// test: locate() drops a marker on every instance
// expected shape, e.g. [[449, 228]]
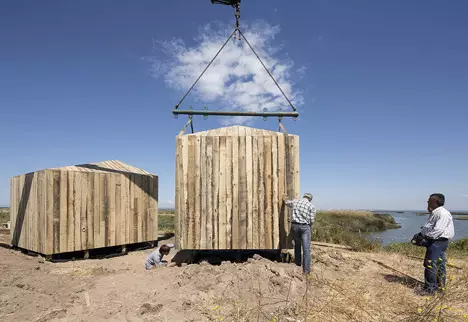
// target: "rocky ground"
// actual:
[[344, 286]]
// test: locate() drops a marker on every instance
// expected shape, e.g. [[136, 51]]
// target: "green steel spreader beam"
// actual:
[[234, 113]]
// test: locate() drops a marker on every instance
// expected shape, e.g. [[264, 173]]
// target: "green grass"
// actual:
[[457, 248], [166, 223]]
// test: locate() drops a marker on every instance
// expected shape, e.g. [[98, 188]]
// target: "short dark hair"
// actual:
[[164, 249], [439, 199]]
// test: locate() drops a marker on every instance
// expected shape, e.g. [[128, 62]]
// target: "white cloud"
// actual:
[[465, 195], [236, 80]]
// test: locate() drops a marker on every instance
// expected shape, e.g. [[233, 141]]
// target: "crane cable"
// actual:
[[240, 33]]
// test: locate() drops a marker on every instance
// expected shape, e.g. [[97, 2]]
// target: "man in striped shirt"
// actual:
[[303, 216], [438, 231]]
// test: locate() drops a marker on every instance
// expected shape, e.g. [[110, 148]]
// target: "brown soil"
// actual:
[[344, 286]]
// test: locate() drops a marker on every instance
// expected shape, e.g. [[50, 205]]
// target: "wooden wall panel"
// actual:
[[59, 211], [229, 188]]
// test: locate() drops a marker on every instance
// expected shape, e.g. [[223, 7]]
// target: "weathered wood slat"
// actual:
[[254, 201], [197, 192], [242, 197], [249, 174], [268, 194], [215, 178], [209, 193], [191, 192], [275, 188], [63, 208], [228, 190], [222, 194], [235, 192], [203, 188], [261, 193]]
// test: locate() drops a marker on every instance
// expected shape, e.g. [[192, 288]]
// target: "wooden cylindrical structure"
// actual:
[[83, 207], [229, 188]]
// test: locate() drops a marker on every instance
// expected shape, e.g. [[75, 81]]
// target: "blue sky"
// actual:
[[382, 88]]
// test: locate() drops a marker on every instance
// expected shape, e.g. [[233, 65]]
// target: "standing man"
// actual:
[[303, 216], [437, 231]]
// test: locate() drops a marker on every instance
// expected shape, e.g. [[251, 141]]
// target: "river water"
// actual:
[[411, 224]]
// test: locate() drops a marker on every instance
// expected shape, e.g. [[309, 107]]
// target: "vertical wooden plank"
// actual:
[[13, 208], [133, 215], [209, 192], [125, 189], [40, 211], [254, 165], [49, 247], [249, 174], [70, 211], [268, 194], [90, 210], [222, 194], [215, 178], [29, 214], [283, 219], [261, 193], [297, 179], [84, 210], [33, 202], [22, 228], [185, 174], [143, 207], [275, 197], [119, 240], [191, 192], [77, 208], [177, 193], [235, 191], [242, 194], [203, 187], [56, 210], [197, 192], [104, 207], [63, 192], [96, 202], [138, 183], [228, 185], [155, 207]]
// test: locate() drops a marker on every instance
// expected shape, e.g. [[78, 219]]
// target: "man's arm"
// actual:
[[288, 203], [312, 213]]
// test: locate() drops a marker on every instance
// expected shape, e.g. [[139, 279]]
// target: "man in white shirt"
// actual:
[[438, 231]]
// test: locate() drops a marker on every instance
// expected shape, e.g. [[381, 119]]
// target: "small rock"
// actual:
[[183, 264], [37, 268], [257, 257], [204, 263], [41, 260], [251, 260], [225, 263], [150, 308]]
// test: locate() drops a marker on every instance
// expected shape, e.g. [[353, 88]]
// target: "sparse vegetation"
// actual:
[[458, 248], [351, 228], [4, 215], [166, 223]]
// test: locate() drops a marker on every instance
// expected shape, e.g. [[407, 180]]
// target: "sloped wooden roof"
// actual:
[[104, 166], [236, 131]]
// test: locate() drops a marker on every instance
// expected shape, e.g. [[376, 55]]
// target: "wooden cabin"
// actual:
[[83, 207], [229, 187]]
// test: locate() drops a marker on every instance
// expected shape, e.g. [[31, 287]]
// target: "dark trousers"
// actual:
[[301, 235], [434, 265]]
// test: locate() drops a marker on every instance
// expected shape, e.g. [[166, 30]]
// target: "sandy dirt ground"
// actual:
[[344, 286]]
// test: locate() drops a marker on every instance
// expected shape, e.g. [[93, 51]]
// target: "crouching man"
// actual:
[[156, 257]]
